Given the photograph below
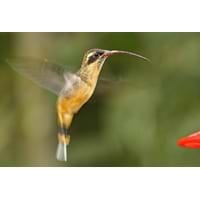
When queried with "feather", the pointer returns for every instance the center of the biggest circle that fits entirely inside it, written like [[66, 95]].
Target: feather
[[46, 74], [61, 153]]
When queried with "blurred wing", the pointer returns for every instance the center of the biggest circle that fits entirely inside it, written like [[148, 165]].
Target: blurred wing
[[48, 75], [108, 84], [112, 81]]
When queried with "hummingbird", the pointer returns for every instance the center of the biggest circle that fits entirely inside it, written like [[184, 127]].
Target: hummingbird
[[73, 89]]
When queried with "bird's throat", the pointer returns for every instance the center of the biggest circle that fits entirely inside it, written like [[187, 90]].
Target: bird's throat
[[90, 74]]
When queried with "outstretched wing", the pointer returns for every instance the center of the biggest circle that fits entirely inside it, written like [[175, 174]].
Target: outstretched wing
[[46, 74]]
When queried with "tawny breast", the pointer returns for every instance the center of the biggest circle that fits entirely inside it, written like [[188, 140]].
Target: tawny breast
[[73, 103]]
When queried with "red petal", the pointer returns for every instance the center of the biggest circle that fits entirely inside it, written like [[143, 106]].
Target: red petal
[[190, 141]]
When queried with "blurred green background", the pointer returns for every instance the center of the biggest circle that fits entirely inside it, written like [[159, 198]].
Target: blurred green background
[[133, 123]]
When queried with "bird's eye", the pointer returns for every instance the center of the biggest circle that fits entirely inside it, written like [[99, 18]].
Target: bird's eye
[[93, 58]]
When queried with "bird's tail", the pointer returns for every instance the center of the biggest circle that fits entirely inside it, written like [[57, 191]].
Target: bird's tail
[[63, 141]]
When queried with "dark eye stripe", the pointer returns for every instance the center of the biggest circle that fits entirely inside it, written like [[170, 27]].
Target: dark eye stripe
[[94, 57]]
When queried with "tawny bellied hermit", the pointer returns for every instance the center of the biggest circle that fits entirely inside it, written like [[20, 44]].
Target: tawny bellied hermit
[[73, 89]]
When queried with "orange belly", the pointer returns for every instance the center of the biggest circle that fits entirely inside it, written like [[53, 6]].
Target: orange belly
[[73, 103], [68, 106]]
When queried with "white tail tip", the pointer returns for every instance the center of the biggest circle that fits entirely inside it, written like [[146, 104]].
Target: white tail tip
[[61, 154]]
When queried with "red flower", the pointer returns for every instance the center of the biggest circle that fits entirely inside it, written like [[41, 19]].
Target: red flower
[[190, 141]]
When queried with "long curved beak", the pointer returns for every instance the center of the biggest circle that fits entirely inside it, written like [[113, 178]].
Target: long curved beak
[[109, 53]]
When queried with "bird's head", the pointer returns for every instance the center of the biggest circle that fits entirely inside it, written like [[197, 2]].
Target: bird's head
[[95, 58]]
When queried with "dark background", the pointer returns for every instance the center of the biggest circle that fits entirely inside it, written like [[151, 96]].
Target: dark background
[[135, 121]]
